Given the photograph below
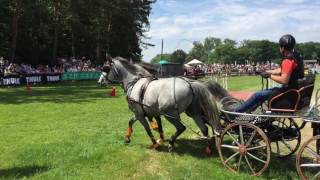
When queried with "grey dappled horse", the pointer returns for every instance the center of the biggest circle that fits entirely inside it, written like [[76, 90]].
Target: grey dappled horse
[[166, 96]]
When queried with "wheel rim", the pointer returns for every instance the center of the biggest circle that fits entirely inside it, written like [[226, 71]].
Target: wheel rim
[[308, 159], [286, 144], [244, 147]]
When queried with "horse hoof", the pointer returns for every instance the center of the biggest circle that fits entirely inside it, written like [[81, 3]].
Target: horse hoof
[[160, 141], [155, 146], [127, 140], [170, 148]]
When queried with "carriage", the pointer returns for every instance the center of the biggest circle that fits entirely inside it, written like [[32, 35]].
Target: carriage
[[249, 139]]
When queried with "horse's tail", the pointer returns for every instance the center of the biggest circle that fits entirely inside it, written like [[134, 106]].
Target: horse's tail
[[216, 90], [204, 100]]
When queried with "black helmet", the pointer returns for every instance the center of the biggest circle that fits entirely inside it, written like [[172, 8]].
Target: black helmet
[[287, 41]]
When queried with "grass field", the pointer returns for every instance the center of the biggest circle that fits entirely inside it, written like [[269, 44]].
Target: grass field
[[73, 130]]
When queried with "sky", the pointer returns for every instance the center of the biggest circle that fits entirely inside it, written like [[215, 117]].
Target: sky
[[180, 22]]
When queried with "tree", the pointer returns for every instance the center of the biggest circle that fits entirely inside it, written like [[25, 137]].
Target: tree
[[16, 7], [310, 50], [224, 53], [5, 27], [160, 57], [210, 44], [57, 8], [63, 28], [197, 52], [178, 56]]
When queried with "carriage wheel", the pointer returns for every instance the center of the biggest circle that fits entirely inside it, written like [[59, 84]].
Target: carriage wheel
[[285, 138], [308, 159], [244, 147]]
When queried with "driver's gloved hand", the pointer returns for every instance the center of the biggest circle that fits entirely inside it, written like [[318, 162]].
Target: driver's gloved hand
[[265, 75]]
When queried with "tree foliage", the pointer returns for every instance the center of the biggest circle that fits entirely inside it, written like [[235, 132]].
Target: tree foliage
[[216, 50], [38, 32], [159, 57], [178, 56]]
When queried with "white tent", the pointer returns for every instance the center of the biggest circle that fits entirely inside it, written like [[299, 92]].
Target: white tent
[[194, 62], [187, 66]]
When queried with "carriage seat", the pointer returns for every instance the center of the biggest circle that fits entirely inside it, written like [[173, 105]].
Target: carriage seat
[[293, 100]]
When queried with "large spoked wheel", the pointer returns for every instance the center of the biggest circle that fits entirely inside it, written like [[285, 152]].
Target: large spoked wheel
[[308, 159], [285, 137], [244, 147]]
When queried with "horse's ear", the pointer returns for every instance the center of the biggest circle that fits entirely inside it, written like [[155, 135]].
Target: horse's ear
[[108, 58]]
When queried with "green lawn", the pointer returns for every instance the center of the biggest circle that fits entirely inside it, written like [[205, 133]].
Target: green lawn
[[75, 131]]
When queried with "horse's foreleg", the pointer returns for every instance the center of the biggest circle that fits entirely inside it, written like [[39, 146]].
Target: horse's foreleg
[[127, 138], [180, 128], [146, 126]]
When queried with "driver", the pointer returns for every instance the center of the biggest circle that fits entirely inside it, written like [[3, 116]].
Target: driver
[[288, 74]]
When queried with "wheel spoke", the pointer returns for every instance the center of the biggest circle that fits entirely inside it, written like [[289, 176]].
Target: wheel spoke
[[229, 146], [312, 152], [241, 134], [257, 147], [251, 138], [245, 156], [278, 149], [234, 139], [239, 162], [310, 165], [231, 157], [256, 158], [287, 145]]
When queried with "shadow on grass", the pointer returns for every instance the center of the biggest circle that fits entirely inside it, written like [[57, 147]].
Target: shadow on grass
[[193, 147], [279, 168], [66, 92], [20, 172]]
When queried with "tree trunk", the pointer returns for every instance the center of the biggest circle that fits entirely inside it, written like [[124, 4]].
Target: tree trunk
[[15, 19], [73, 51], [55, 44], [98, 48], [56, 32], [108, 33]]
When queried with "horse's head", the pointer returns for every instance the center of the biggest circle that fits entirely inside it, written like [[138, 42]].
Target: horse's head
[[111, 68]]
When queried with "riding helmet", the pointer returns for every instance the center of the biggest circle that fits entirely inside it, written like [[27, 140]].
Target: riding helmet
[[287, 42]]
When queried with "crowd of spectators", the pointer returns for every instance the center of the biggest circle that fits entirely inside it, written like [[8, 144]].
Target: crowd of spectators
[[84, 64], [63, 65], [241, 69], [235, 69], [231, 69], [314, 67]]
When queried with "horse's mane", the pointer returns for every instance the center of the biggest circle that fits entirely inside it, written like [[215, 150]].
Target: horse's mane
[[137, 69], [152, 69], [216, 89]]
